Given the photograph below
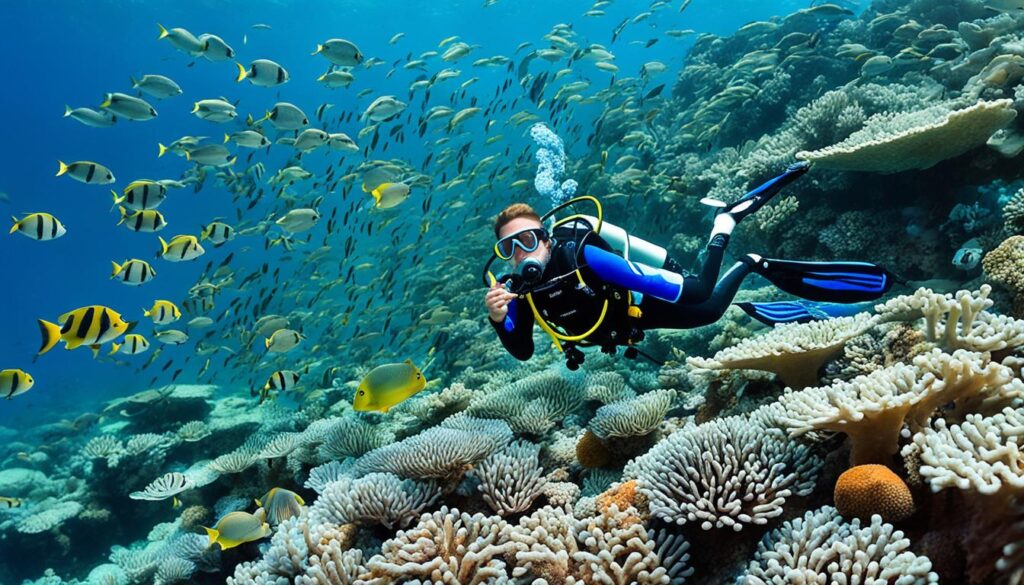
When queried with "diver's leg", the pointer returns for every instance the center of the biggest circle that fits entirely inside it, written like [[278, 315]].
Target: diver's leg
[[697, 289], [656, 313]]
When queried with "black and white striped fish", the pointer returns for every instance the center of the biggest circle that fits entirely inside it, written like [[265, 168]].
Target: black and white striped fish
[[217, 232], [181, 248], [87, 172], [134, 344], [147, 220], [141, 195], [133, 272], [39, 226]]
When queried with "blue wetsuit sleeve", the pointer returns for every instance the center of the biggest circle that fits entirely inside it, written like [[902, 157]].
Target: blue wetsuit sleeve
[[516, 330], [656, 282]]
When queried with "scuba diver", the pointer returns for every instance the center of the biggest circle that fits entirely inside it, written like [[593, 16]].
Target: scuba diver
[[586, 282]]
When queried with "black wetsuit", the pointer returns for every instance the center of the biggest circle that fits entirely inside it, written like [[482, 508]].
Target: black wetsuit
[[574, 310]]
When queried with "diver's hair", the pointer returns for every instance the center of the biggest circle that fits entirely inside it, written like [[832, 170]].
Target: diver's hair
[[512, 212]]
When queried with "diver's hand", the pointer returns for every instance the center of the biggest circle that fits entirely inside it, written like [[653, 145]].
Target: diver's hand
[[497, 301]]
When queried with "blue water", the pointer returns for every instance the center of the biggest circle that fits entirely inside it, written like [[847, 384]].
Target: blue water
[[59, 53]]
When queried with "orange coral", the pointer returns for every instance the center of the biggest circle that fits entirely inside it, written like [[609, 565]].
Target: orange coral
[[873, 489], [591, 452], [624, 496]]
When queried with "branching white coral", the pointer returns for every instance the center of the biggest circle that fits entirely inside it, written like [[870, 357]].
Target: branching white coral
[[511, 479], [981, 454], [727, 472], [377, 498], [822, 548], [447, 546]]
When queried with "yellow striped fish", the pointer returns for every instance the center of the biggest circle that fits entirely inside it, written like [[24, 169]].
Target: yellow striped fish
[[147, 220], [141, 195], [181, 248], [163, 312], [134, 344], [93, 326], [14, 382], [86, 172], [133, 272], [39, 226]]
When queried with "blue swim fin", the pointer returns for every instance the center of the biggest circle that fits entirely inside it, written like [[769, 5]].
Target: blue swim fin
[[830, 282], [773, 313], [761, 195]]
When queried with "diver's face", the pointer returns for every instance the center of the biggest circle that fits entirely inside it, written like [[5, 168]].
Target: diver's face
[[543, 251]]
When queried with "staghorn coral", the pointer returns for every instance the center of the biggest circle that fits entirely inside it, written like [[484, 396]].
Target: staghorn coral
[[560, 493], [866, 490], [960, 321], [634, 417], [794, 351], [891, 143], [442, 452], [545, 545], [376, 498], [728, 472], [821, 548], [511, 479]]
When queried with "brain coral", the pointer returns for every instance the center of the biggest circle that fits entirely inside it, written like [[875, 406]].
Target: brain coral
[[866, 490]]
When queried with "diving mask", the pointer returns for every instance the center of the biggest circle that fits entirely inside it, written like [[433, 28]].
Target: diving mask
[[528, 240]]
